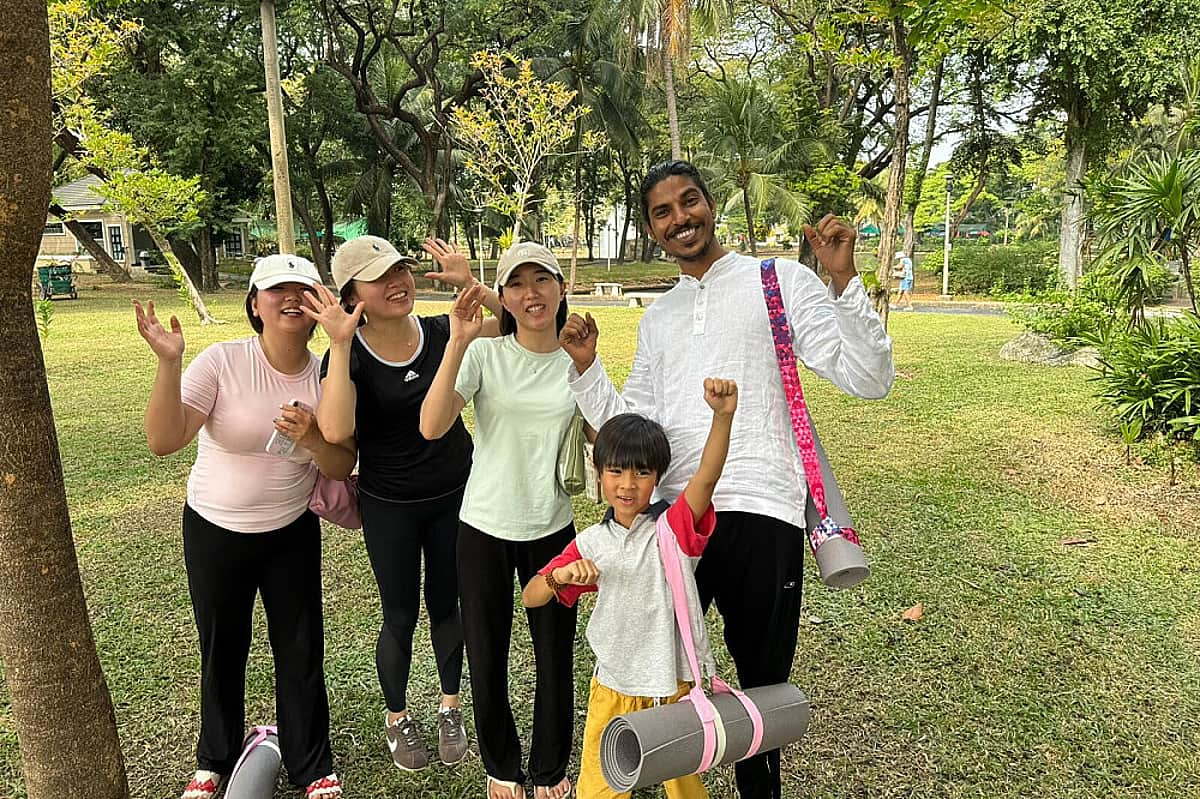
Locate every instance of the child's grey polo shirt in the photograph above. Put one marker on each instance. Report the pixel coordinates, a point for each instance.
(632, 629)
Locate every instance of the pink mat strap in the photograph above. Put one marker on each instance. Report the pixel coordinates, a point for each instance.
(260, 734)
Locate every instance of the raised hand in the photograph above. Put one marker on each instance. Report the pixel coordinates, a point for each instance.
(167, 345)
(323, 306)
(577, 572)
(455, 270)
(466, 317)
(832, 241)
(721, 395)
(578, 338)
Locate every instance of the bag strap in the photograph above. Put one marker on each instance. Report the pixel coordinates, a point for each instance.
(710, 719)
(259, 734)
(785, 354)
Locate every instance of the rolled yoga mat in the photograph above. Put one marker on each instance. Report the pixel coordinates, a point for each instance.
(840, 561)
(665, 742)
(257, 771)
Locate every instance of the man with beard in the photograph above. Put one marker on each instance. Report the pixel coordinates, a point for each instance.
(714, 322)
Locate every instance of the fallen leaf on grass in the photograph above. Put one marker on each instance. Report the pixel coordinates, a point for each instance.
(1078, 542)
(913, 613)
(815, 620)
(1101, 500)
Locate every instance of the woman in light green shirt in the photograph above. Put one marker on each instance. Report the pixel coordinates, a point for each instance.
(514, 516)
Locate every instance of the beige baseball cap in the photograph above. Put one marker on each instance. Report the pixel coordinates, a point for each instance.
(525, 252)
(366, 258)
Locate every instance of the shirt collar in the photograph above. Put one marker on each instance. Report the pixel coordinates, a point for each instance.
(655, 510)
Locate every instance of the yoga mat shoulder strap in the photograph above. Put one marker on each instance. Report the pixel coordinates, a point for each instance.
(710, 719)
(259, 733)
(785, 355)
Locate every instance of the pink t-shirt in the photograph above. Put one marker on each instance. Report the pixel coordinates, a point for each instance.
(234, 482)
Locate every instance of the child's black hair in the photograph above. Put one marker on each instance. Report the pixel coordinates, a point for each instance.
(631, 441)
(660, 172)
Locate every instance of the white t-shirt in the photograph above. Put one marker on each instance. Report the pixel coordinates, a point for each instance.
(522, 409)
(234, 482)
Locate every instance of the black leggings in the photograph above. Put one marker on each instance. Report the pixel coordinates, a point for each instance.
(752, 567)
(396, 535)
(225, 570)
(485, 572)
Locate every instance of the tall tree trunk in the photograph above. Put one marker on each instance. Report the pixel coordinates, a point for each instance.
(578, 200)
(976, 190)
(914, 197)
(749, 220)
(185, 253)
(194, 296)
(668, 65)
(54, 678)
(1070, 239)
(103, 260)
(210, 278)
(275, 123)
(902, 70)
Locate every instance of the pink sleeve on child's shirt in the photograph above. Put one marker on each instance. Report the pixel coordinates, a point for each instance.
(691, 534)
(198, 387)
(570, 594)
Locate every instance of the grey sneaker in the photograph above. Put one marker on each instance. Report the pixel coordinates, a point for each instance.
(452, 736)
(404, 739)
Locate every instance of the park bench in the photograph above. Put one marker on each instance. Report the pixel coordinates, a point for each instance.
(607, 289)
(640, 299)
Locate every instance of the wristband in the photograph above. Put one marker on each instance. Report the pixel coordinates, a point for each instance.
(551, 583)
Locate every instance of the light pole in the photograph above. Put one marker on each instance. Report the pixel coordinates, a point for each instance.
(608, 244)
(946, 254)
(479, 240)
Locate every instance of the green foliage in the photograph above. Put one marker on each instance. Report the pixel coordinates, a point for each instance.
(1145, 215)
(1150, 375)
(1002, 269)
(181, 289)
(44, 310)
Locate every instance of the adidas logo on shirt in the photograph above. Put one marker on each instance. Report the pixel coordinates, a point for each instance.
(410, 376)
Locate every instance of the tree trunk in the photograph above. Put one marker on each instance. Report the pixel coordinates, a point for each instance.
(194, 296)
(103, 260)
(275, 123)
(895, 192)
(55, 682)
(575, 224)
(314, 241)
(185, 252)
(210, 278)
(668, 65)
(1070, 239)
(976, 190)
(914, 198)
(749, 220)
(1187, 273)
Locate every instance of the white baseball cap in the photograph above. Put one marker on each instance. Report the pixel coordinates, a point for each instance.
(900, 254)
(525, 252)
(275, 269)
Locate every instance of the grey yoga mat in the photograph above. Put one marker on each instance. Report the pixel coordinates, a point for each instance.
(840, 562)
(257, 771)
(665, 742)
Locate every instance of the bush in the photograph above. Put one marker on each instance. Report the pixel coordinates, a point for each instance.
(1003, 268)
(1071, 319)
(1150, 376)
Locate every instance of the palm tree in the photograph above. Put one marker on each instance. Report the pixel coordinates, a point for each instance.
(746, 148)
(664, 29)
(1152, 212)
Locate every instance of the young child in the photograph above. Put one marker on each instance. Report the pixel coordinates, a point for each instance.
(640, 660)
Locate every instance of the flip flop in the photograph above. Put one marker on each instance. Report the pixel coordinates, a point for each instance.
(512, 787)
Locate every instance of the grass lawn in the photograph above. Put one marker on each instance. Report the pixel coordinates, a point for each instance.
(1039, 667)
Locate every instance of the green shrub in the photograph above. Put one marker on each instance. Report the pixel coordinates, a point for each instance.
(1150, 375)
(1070, 319)
(1003, 268)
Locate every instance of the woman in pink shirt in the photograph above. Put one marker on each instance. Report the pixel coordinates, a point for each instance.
(247, 528)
